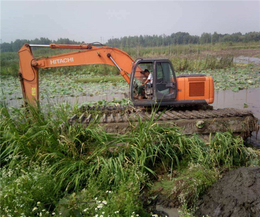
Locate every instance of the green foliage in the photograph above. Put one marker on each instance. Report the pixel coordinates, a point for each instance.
(199, 64)
(234, 78)
(9, 64)
(119, 200)
(26, 190)
(188, 186)
(71, 170)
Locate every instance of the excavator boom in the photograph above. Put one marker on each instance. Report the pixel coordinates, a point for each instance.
(87, 55)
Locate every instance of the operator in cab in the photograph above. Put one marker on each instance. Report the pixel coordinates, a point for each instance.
(148, 81)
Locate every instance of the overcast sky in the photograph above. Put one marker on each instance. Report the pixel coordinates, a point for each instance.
(91, 21)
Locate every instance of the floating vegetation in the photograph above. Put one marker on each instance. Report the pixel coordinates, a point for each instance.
(84, 83)
(234, 78)
(99, 79)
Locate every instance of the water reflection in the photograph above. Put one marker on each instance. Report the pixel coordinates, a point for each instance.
(244, 99)
(247, 60)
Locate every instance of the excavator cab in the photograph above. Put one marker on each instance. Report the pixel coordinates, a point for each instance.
(162, 85)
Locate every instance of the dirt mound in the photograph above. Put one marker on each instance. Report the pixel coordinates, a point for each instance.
(237, 194)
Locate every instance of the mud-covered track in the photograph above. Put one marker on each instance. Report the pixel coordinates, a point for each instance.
(124, 114)
(202, 121)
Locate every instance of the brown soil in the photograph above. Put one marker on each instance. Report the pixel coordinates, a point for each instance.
(237, 194)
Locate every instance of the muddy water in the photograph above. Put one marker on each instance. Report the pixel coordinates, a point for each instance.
(171, 212)
(244, 99)
(247, 60)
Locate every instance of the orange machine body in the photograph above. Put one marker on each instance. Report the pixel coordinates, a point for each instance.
(195, 88)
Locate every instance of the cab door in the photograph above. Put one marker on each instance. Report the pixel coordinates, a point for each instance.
(163, 87)
(138, 91)
(165, 81)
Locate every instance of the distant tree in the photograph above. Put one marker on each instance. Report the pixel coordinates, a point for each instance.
(6, 47)
(17, 44)
(215, 37)
(252, 36)
(205, 38)
(236, 37)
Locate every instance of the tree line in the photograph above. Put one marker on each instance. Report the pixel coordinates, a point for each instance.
(181, 38)
(18, 43)
(146, 40)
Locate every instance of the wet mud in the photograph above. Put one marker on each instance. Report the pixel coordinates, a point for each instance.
(237, 194)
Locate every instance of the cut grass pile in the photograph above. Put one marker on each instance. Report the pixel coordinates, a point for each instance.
(50, 168)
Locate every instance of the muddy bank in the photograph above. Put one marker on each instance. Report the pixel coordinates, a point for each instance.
(237, 194)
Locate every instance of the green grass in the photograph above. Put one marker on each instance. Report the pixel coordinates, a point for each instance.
(189, 49)
(198, 63)
(72, 170)
(187, 185)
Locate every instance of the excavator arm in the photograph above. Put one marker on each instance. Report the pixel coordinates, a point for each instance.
(87, 55)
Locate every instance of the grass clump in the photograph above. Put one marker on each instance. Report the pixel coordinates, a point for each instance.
(185, 186)
(88, 172)
(26, 190)
(201, 63)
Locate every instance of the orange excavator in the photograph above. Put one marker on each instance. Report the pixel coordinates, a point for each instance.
(165, 89)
